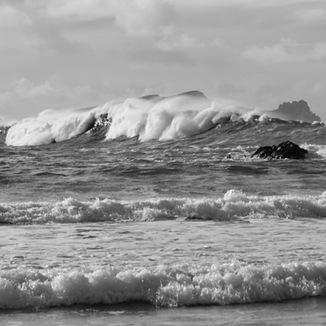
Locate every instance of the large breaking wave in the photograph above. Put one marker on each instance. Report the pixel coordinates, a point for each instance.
(149, 117)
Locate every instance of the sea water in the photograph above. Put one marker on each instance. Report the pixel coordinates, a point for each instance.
(159, 214)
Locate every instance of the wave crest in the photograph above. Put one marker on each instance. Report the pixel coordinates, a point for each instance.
(233, 205)
(149, 117)
(163, 286)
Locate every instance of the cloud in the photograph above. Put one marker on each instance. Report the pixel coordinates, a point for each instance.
(10, 17)
(144, 29)
(133, 17)
(173, 40)
(143, 17)
(49, 37)
(158, 56)
(241, 3)
(319, 89)
(287, 51)
(79, 10)
(142, 20)
(27, 98)
(26, 31)
(319, 51)
(101, 48)
(311, 16)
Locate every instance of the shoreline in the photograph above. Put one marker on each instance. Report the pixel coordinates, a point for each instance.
(292, 312)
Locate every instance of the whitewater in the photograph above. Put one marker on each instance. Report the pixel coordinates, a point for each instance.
(152, 210)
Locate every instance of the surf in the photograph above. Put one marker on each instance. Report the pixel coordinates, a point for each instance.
(151, 117)
(163, 286)
(235, 205)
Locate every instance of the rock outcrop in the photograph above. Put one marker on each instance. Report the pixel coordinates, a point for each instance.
(283, 150)
(296, 110)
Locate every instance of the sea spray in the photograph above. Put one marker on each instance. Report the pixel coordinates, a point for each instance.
(149, 117)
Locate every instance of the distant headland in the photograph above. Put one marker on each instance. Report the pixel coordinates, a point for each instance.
(296, 110)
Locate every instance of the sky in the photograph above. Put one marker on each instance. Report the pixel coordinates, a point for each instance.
(60, 54)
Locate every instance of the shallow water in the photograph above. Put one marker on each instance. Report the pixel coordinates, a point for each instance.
(96, 245)
(295, 312)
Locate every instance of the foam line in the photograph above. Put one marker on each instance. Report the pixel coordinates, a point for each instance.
(163, 286)
(233, 205)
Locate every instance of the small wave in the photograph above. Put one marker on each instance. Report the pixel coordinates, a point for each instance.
(162, 286)
(233, 205)
(315, 150)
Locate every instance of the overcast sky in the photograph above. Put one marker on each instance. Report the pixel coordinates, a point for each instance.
(57, 54)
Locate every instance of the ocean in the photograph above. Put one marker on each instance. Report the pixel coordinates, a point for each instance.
(152, 211)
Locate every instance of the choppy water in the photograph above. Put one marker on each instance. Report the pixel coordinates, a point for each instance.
(173, 222)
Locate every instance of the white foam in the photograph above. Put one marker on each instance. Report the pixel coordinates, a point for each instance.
(158, 118)
(166, 118)
(319, 150)
(238, 154)
(233, 205)
(153, 117)
(47, 127)
(162, 286)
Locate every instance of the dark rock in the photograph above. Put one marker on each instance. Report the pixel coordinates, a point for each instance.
(283, 150)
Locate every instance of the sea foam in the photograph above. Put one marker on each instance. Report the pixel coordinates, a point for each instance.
(319, 150)
(233, 205)
(149, 117)
(48, 127)
(162, 286)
